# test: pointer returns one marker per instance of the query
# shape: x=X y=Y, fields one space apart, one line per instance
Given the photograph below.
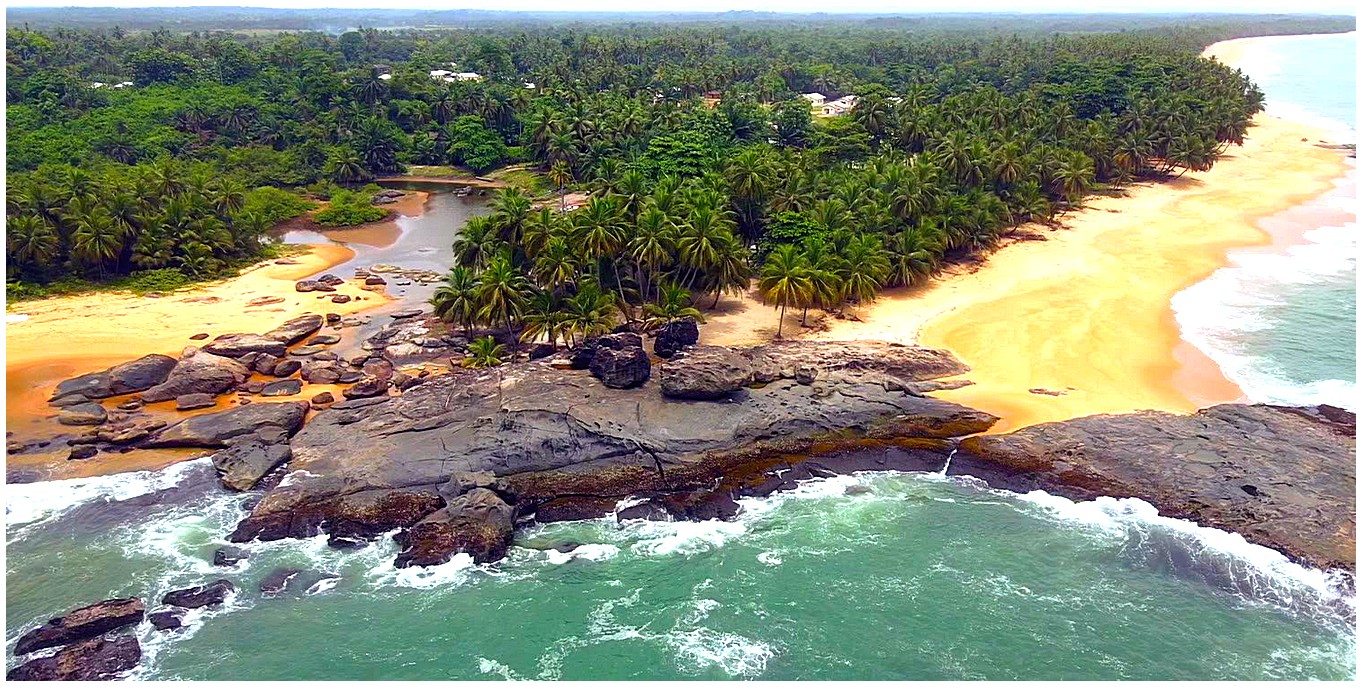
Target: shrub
x=348 y=209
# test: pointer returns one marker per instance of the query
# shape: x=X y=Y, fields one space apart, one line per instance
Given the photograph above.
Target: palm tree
x=864 y=268
x=673 y=303
x=785 y=281
x=912 y=256
x=652 y=245
x=560 y=175
x=483 y=352
x=556 y=267
x=544 y=317
x=590 y=312
x=825 y=275
x=501 y=293
x=96 y=240
x=456 y=300
x=730 y=271
x=31 y=240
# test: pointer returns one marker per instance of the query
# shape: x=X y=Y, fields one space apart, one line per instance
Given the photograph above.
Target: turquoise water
x=922 y=578
x=1282 y=323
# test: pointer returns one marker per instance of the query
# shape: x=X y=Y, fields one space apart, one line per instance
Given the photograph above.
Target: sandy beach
x=1081 y=323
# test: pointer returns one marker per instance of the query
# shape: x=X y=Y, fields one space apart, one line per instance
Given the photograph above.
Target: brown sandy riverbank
x=1084 y=318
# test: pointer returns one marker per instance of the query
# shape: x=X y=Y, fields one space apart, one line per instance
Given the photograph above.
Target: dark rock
x=330 y=279
x=198 y=372
x=375 y=280
x=462 y=482
x=585 y=352
x=323 y=340
x=621 y=369
x=305 y=351
x=403 y=314
x=403 y=381
x=478 y=523
x=124 y=378
x=211 y=594
x=542 y=350
x=243 y=464
x=264 y=363
x=93 y=659
x=315 y=372
x=199 y=337
x=238 y=345
x=1197 y=467
x=131 y=404
x=167 y=620
x=378 y=367
x=264 y=300
x=676 y=335
x=338 y=298
x=857 y=489
x=283 y=387
x=296 y=329
x=355 y=515
x=68 y=401
x=349 y=376
x=84 y=414
x=228 y=556
x=326 y=356
x=254 y=387
x=310 y=285
x=277 y=580
x=367 y=386
x=194 y=401
x=213 y=430
x=285 y=368
x=705 y=373
x=332 y=318
x=82 y=623
x=323 y=398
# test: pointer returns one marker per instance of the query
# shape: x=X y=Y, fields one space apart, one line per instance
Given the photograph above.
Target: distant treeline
x=178 y=19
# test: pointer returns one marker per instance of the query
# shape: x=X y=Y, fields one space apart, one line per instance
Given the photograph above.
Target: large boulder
x=211 y=594
x=83 y=414
x=283 y=387
x=477 y=523
x=198 y=372
x=368 y=386
x=92 y=659
x=239 y=345
x=215 y=430
x=676 y=335
x=296 y=329
x=248 y=459
x=705 y=373
x=124 y=378
x=581 y=357
x=82 y=623
x=624 y=368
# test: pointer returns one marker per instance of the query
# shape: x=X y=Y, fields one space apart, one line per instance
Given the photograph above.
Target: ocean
x=908 y=576
x=1281 y=322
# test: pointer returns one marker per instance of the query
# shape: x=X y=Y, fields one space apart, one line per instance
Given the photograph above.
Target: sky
x=868 y=6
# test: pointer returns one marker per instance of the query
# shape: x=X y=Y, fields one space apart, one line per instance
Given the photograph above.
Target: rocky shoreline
x=451 y=462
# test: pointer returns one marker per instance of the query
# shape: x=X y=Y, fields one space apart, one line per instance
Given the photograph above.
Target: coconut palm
x=785 y=281
x=673 y=303
x=456 y=300
x=502 y=292
x=483 y=352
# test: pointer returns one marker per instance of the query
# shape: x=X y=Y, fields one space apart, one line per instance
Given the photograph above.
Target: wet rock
x=172 y=619
x=676 y=335
x=228 y=556
x=621 y=369
x=305 y=351
x=331 y=279
x=1196 y=467
x=339 y=298
x=368 y=385
x=542 y=350
x=332 y=318
x=323 y=340
x=284 y=387
x=478 y=523
x=375 y=280
x=68 y=401
x=211 y=594
x=403 y=314
x=194 y=401
x=254 y=387
x=378 y=367
x=198 y=372
x=131 y=404
x=857 y=489
x=286 y=368
x=307 y=285
x=346 y=517
x=238 y=345
x=322 y=399
x=296 y=329
x=462 y=481
x=84 y=414
x=349 y=377
x=124 y=378
x=92 y=659
x=705 y=373
x=277 y=580
x=213 y=430
x=82 y=623
x=318 y=372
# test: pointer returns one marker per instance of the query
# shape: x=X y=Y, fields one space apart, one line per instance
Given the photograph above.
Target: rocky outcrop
x=82 y=623
x=240 y=345
x=198 y=372
x=212 y=594
x=549 y=436
x=296 y=329
x=1282 y=477
x=625 y=368
x=477 y=523
x=92 y=659
x=675 y=336
x=705 y=373
x=83 y=414
x=274 y=421
x=125 y=378
x=247 y=460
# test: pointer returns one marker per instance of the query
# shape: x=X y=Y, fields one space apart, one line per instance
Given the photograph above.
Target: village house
x=839 y=106
x=815 y=99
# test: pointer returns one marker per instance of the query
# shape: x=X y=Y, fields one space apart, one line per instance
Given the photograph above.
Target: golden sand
x=1081 y=323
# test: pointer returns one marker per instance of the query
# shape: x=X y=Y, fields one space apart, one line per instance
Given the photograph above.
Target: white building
x=385 y=77
x=468 y=76
x=839 y=106
x=815 y=99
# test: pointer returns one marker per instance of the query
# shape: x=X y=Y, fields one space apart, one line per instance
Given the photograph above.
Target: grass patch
x=533 y=183
x=438 y=171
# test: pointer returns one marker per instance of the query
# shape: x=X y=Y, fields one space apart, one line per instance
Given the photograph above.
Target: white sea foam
x=734 y=654
x=39 y=502
x=1219 y=313
x=458 y=571
x=590 y=552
